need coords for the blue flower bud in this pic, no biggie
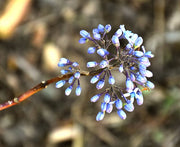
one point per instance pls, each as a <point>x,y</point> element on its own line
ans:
<point>121,114</point>
<point>63,71</point>
<point>138,42</point>
<point>103,63</point>
<point>71,79</point>
<point>129,107</point>
<point>82,40</point>
<point>148,54</point>
<point>121,68</point>
<point>61,83</point>
<point>97,36</point>
<point>92,64</point>
<point>108,28</point>
<point>101,28</point>
<point>107,98</point>
<point>111,80</point>
<point>100,84</point>
<point>133,38</point>
<point>118,33</point>
<point>68,90</point>
<point>132,77</point>
<point>133,68</point>
<point>109,108</point>
<point>150,84</point>
<point>77,75</point>
<point>102,52</point>
<point>63,62</point>
<point>78,90</point>
<point>75,64</point>
<point>95,98</point>
<point>142,67</point>
<point>95,31</point>
<point>91,50</point>
<point>148,74</point>
<point>138,53</point>
<point>141,78</point>
<point>139,98</point>
<point>145,61</point>
<point>122,28</point>
<point>118,104</point>
<point>115,41</point>
<point>129,85</point>
<point>100,116</point>
<point>103,106</point>
<point>84,34</point>
<point>94,79</point>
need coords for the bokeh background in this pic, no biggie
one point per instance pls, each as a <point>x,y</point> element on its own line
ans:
<point>34,34</point>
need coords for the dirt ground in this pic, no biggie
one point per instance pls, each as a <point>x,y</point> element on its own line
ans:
<point>38,33</point>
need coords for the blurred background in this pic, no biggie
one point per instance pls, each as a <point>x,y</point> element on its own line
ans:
<point>35,34</point>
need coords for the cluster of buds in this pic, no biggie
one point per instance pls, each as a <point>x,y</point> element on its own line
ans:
<point>122,52</point>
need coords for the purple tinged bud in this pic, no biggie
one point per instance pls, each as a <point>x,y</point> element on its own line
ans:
<point>91,50</point>
<point>148,54</point>
<point>111,80</point>
<point>92,64</point>
<point>108,28</point>
<point>132,77</point>
<point>61,83</point>
<point>141,78</point>
<point>129,85</point>
<point>129,107</point>
<point>78,90</point>
<point>94,79</point>
<point>121,114</point>
<point>118,33</point>
<point>97,36</point>
<point>68,90</point>
<point>101,28</point>
<point>84,34</point>
<point>77,75</point>
<point>82,40</point>
<point>100,116</point>
<point>145,61</point>
<point>71,79</point>
<point>75,64</point>
<point>121,68</point>
<point>109,108</point>
<point>102,52</point>
<point>118,104</point>
<point>103,64</point>
<point>150,84</point>
<point>95,98</point>
<point>63,71</point>
<point>115,41</point>
<point>100,84</point>
<point>139,98</point>
<point>107,98</point>
<point>138,42</point>
<point>103,106</point>
<point>138,53</point>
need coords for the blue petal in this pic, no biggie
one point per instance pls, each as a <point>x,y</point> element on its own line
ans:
<point>150,84</point>
<point>107,98</point>
<point>103,106</point>
<point>68,90</point>
<point>82,40</point>
<point>63,62</point>
<point>92,64</point>
<point>102,52</point>
<point>100,84</point>
<point>97,36</point>
<point>138,53</point>
<point>148,74</point>
<point>121,114</point>
<point>139,98</point>
<point>77,75</point>
<point>63,71</point>
<point>94,79</point>
<point>108,28</point>
<point>111,80</point>
<point>115,41</point>
<point>129,85</point>
<point>91,50</point>
<point>95,31</point>
<point>132,77</point>
<point>71,79</point>
<point>118,104</point>
<point>109,108</point>
<point>100,116</point>
<point>75,64</point>
<point>103,63</point>
<point>78,90</point>
<point>149,54</point>
<point>118,33</point>
<point>129,107</point>
<point>101,28</point>
<point>138,42</point>
<point>84,34</point>
<point>95,98</point>
<point>61,83</point>
<point>141,78</point>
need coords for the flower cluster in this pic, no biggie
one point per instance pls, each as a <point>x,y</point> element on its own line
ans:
<point>123,52</point>
<point>71,68</point>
